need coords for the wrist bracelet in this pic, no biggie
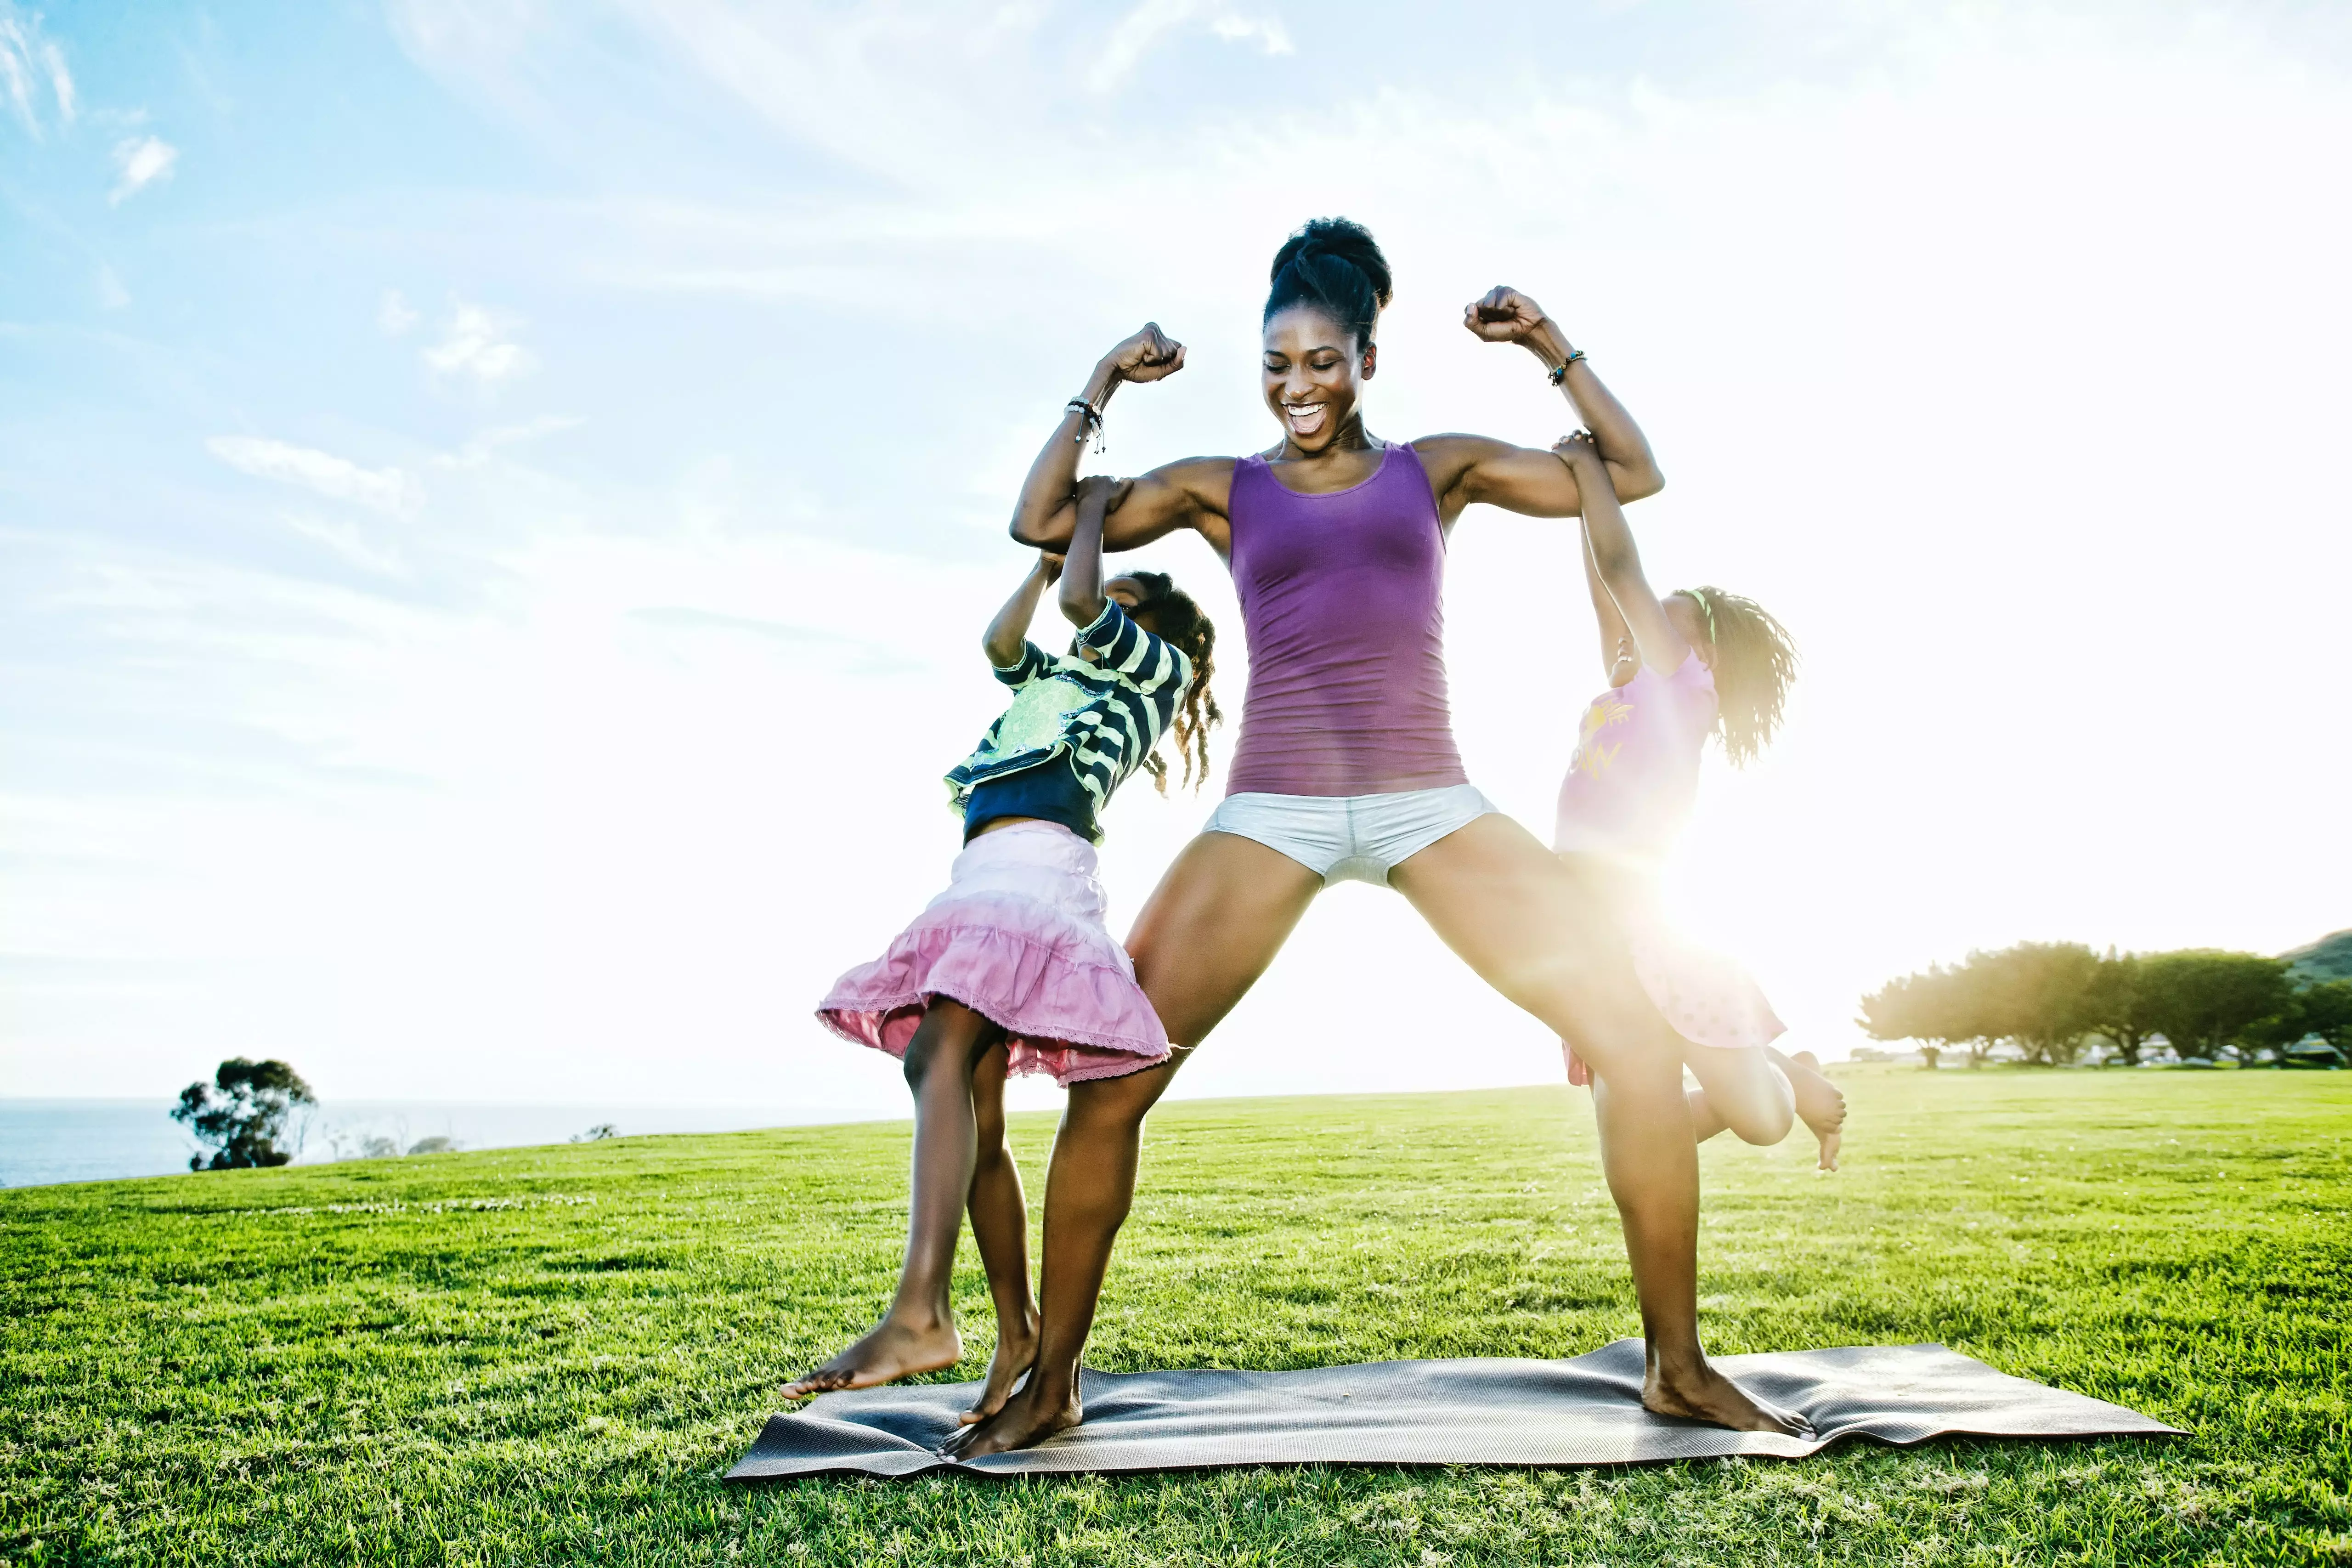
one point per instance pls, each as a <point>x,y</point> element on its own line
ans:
<point>1560,374</point>
<point>1091,423</point>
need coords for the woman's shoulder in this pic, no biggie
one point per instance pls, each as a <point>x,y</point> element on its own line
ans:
<point>1446,457</point>
<point>1191,492</point>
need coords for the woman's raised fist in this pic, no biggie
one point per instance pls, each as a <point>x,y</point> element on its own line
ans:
<point>1503,315</point>
<point>1150,356</point>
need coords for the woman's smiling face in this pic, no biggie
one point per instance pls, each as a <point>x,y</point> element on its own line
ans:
<point>1314,373</point>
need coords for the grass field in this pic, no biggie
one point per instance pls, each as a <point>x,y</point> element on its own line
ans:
<point>549,1354</point>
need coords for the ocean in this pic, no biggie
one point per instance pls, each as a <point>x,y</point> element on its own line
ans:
<point>46,1141</point>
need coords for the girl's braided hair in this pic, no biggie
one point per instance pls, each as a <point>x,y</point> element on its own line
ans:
<point>1754,662</point>
<point>1182,626</point>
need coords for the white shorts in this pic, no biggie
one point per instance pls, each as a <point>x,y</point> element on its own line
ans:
<point>1351,837</point>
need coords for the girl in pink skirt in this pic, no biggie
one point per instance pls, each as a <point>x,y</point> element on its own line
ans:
<point>1699,662</point>
<point>1011,970</point>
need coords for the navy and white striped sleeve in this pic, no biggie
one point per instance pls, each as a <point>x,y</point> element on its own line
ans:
<point>1143,660</point>
<point>1033,663</point>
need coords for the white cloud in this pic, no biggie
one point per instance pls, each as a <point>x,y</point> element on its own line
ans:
<point>338,479</point>
<point>395,315</point>
<point>1141,30</point>
<point>26,58</point>
<point>143,160</point>
<point>477,343</point>
<point>346,541</point>
<point>1269,32</point>
<point>61,82</point>
<point>475,453</point>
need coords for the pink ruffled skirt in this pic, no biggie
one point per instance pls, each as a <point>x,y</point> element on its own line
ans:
<point>1018,938</point>
<point>1706,996</point>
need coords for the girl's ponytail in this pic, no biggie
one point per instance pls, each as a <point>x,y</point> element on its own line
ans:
<point>1182,626</point>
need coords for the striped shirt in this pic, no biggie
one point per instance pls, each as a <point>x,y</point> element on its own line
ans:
<point>1106,716</point>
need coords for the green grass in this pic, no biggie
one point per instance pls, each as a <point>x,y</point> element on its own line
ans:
<point>551,1354</point>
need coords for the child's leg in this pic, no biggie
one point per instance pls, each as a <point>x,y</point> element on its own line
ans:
<point>1000,1224</point>
<point>1746,1090</point>
<point>1704,1122</point>
<point>917,1333</point>
<point>1817,1101</point>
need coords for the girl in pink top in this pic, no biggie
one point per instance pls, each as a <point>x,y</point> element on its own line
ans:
<point>1699,662</point>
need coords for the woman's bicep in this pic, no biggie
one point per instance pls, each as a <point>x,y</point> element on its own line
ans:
<point>1524,480</point>
<point>1156,504</point>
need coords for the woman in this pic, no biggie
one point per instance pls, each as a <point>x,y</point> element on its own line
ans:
<point>1346,767</point>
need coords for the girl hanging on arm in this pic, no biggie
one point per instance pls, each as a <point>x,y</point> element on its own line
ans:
<point>1011,970</point>
<point>1698,662</point>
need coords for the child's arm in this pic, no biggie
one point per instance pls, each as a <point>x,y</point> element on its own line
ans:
<point>1009,632</point>
<point>1082,594</point>
<point>1617,647</point>
<point>1614,561</point>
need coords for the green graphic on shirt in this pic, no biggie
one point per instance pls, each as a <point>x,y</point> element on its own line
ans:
<point>1039,716</point>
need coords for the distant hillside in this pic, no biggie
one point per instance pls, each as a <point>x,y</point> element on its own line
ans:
<point>2329,958</point>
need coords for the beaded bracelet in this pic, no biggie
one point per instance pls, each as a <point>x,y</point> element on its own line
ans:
<point>1562,374</point>
<point>1091,425</point>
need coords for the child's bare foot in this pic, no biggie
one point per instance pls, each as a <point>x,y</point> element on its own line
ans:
<point>1016,1347</point>
<point>1820,1106</point>
<point>892,1351</point>
<point>1708,1395</point>
<point>1028,1417</point>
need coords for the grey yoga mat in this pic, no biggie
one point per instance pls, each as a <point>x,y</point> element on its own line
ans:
<point>1585,1411</point>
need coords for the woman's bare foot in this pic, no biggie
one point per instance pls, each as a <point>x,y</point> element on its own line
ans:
<point>893,1350</point>
<point>1820,1106</point>
<point>1028,1417</point>
<point>1708,1395</point>
<point>1016,1349</point>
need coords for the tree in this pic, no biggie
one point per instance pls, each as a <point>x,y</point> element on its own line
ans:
<point>2324,1009</point>
<point>2204,1000</point>
<point>1935,1008</point>
<point>2037,994</point>
<point>243,1113</point>
<point>2117,1002</point>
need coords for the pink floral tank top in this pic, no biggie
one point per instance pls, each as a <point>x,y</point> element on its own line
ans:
<point>1634,778</point>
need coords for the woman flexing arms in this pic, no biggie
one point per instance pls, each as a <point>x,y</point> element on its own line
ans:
<point>1346,767</point>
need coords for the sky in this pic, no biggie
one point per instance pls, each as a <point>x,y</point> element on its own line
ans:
<point>498,499</point>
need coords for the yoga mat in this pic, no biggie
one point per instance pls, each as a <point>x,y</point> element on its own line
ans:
<point>1585,1411</point>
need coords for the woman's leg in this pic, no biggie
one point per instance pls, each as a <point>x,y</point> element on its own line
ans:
<point>1544,940</point>
<point>1215,922</point>
<point>917,1333</point>
<point>1000,1224</point>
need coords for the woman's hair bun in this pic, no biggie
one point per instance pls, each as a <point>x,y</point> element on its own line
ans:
<point>1335,265</point>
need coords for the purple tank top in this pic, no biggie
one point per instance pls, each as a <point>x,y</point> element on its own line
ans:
<point>1634,778</point>
<point>1343,606</point>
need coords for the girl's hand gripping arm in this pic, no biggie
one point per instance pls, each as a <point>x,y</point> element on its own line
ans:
<point>1010,630</point>
<point>1613,564</point>
<point>1082,594</point>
